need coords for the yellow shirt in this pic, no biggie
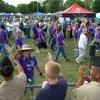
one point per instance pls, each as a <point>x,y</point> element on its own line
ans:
<point>14,89</point>
<point>89,91</point>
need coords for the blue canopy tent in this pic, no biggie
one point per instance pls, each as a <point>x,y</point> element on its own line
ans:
<point>5,14</point>
<point>36,14</point>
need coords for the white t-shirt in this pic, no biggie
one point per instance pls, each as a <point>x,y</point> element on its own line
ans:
<point>82,41</point>
<point>14,89</point>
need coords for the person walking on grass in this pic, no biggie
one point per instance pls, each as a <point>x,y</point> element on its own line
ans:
<point>29,63</point>
<point>60,44</point>
<point>20,39</point>
<point>82,44</point>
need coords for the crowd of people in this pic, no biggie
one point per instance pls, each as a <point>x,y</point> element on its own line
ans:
<point>46,34</point>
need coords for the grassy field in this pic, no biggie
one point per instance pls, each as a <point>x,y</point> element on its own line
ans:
<point>69,69</point>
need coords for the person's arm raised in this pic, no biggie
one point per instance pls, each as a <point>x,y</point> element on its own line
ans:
<point>13,59</point>
<point>81,76</point>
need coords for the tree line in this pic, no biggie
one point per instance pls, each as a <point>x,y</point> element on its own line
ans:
<point>48,6</point>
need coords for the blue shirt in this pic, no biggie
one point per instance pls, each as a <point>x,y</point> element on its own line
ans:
<point>28,65</point>
<point>53,92</point>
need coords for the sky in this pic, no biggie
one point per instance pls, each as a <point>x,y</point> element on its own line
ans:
<point>16,2</point>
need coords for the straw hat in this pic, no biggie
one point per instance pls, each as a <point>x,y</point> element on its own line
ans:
<point>25,47</point>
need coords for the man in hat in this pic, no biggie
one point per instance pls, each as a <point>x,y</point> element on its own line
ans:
<point>28,63</point>
<point>88,90</point>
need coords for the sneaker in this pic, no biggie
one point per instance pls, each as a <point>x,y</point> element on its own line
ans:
<point>77,62</point>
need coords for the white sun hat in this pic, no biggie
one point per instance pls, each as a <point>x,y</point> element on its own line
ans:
<point>25,47</point>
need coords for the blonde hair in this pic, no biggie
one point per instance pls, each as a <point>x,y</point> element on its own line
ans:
<point>52,69</point>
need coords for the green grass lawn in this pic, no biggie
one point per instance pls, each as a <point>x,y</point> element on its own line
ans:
<point>69,69</point>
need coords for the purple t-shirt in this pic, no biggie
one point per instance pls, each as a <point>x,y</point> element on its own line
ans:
<point>34,29</point>
<point>91,29</point>
<point>79,32</point>
<point>59,40</point>
<point>28,65</point>
<point>41,36</point>
<point>20,40</point>
<point>75,33</point>
<point>3,36</point>
<point>51,29</point>
<point>98,35</point>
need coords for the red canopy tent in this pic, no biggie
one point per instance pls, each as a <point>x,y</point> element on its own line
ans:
<point>77,9</point>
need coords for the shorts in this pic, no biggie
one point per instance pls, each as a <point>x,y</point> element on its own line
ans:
<point>35,37</point>
<point>42,45</point>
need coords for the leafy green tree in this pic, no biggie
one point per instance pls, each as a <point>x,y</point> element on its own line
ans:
<point>53,5</point>
<point>96,6</point>
<point>22,8</point>
<point>34,6</point>
<point>2,6</point>
<point>89,4</point>
<point>10,8</point>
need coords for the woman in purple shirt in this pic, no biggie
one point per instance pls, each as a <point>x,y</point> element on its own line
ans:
<point>60,44</point>
<point>20,39</point>
<point>3,38</point>
<point>41,38</point>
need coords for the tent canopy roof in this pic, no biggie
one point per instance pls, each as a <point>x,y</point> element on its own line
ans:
<point>76,9</point>
<point>38,14</point>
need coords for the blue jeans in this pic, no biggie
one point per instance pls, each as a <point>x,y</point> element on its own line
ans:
<point>53,44</point>
<point>2,47</point>
<point>59,51</point>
